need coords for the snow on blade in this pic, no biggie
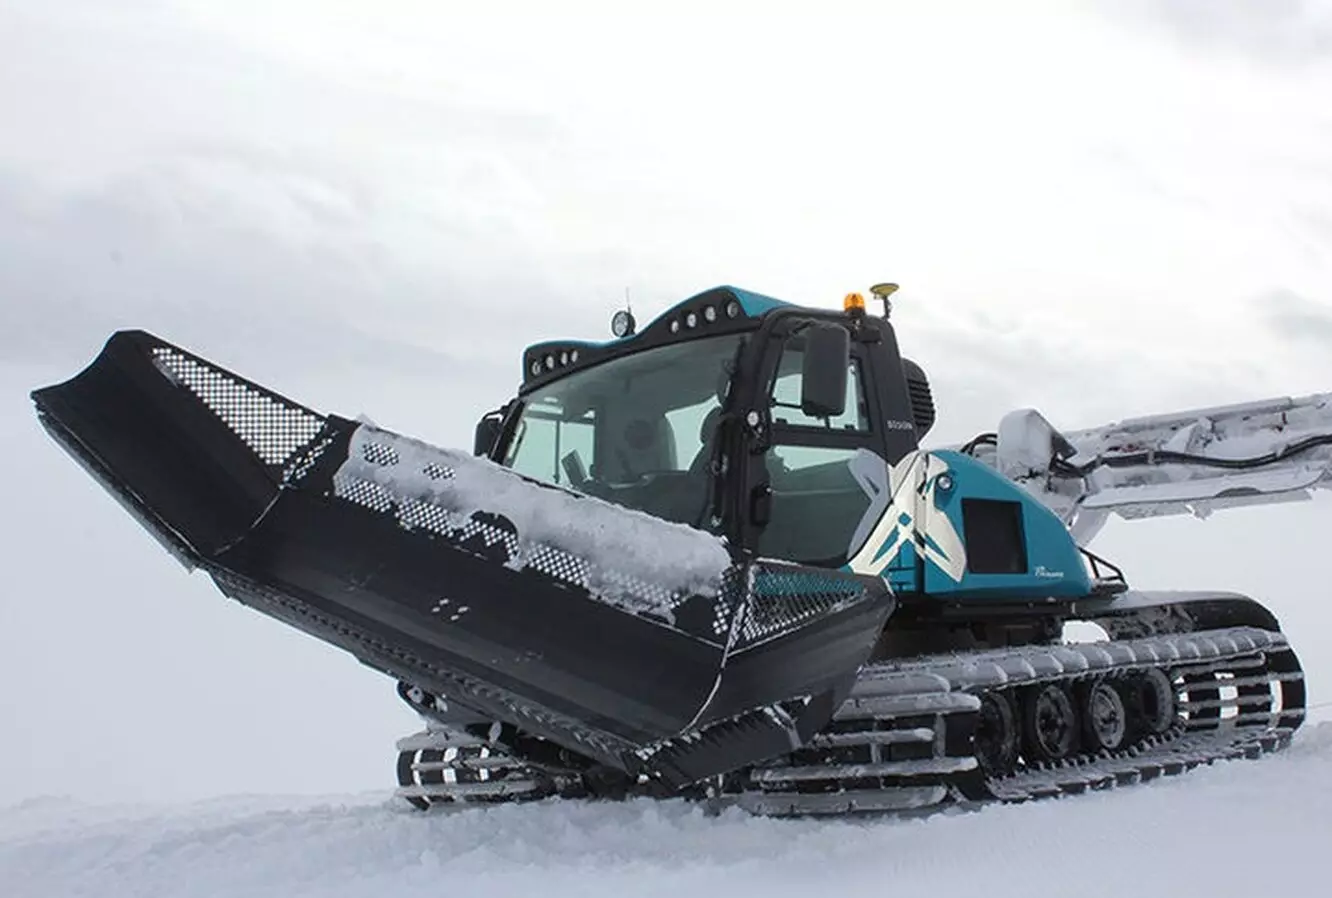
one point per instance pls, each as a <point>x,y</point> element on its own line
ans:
<point>631,558</point>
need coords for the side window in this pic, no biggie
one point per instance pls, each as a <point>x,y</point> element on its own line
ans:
<point>785,398</point>
<point>816,503</point>
<point>544,439</point>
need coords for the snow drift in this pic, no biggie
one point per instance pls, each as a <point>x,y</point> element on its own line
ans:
<point>1238,828</point>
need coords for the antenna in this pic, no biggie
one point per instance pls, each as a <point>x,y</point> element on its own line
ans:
<point>884,291</point>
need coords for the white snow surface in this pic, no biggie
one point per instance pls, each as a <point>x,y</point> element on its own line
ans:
<point>622,547</point>
<point>1241,828</point>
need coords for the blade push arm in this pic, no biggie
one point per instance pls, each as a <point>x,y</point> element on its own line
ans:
<point>1193,462</point>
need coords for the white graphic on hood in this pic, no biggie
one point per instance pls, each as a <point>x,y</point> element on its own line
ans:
<point>902,509</point>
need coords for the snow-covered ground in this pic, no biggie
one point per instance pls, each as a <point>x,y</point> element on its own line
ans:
<point>1241,828</point>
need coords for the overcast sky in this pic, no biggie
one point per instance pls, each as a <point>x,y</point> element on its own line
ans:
<point>1100,209</point>
<point>1134,184</point>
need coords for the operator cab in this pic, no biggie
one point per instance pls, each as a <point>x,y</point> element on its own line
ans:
<point>633,430</point>
<point>732,412</point>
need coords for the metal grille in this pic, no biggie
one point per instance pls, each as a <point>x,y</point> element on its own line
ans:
<point>273,428</point>
<point>426,516</point>
<point>352,483</point>
<point>301,464</point>
<point>635,594</point>
<point>922,403</point>
<point>736,585</point>
<point>721,618</point>
<point>491,535</point>
<point>784,600</point>
<point>379,454</point>
<point>363,492</point>
<point>561,565</point>
<point>773,599</point>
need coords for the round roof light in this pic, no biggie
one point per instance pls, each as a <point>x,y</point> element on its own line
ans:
<point>675,325</point>
<point>564,357</point>
<point>709,314</point>
<point>733,309</point>
<point>691,320</point>
<point>550,362</point>
<point>623,324</point>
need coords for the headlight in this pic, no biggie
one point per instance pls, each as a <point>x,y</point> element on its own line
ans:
<point>622,323</point>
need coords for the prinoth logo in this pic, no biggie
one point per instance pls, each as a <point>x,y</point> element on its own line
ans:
<point>1044,572</point>
<point>898,424</point>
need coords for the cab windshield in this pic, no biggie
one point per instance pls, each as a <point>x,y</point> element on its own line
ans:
<point>636,431</point>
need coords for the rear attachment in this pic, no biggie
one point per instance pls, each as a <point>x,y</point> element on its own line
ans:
<point>632,642</point>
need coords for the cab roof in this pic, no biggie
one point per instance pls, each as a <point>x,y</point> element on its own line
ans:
<point>720,310</point>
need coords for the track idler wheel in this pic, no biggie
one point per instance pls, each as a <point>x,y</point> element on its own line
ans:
<point>998,738</point>
<point>407,777</point>
<point>1105,719</point>
<point>1051,724</point>
<point>1149,700</point>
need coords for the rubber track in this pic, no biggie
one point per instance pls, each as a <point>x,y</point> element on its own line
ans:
<point>949,685</point>
<point>448,766</point>
<point>942,688</point>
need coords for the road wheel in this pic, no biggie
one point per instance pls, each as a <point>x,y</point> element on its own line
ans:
<point>998,737</point>
<point>1104,717</point>
<point>1149,699</point>
<point>1050,723</point>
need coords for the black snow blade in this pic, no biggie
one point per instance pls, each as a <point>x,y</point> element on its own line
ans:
<point>635,642</point>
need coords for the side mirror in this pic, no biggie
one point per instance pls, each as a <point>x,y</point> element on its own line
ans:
<point>487,432</point>
<point>824,373</point>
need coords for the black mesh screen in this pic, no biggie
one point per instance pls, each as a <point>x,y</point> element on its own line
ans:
<point>993,531</point>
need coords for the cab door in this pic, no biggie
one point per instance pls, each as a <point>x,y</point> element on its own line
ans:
<point>805,501</point>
